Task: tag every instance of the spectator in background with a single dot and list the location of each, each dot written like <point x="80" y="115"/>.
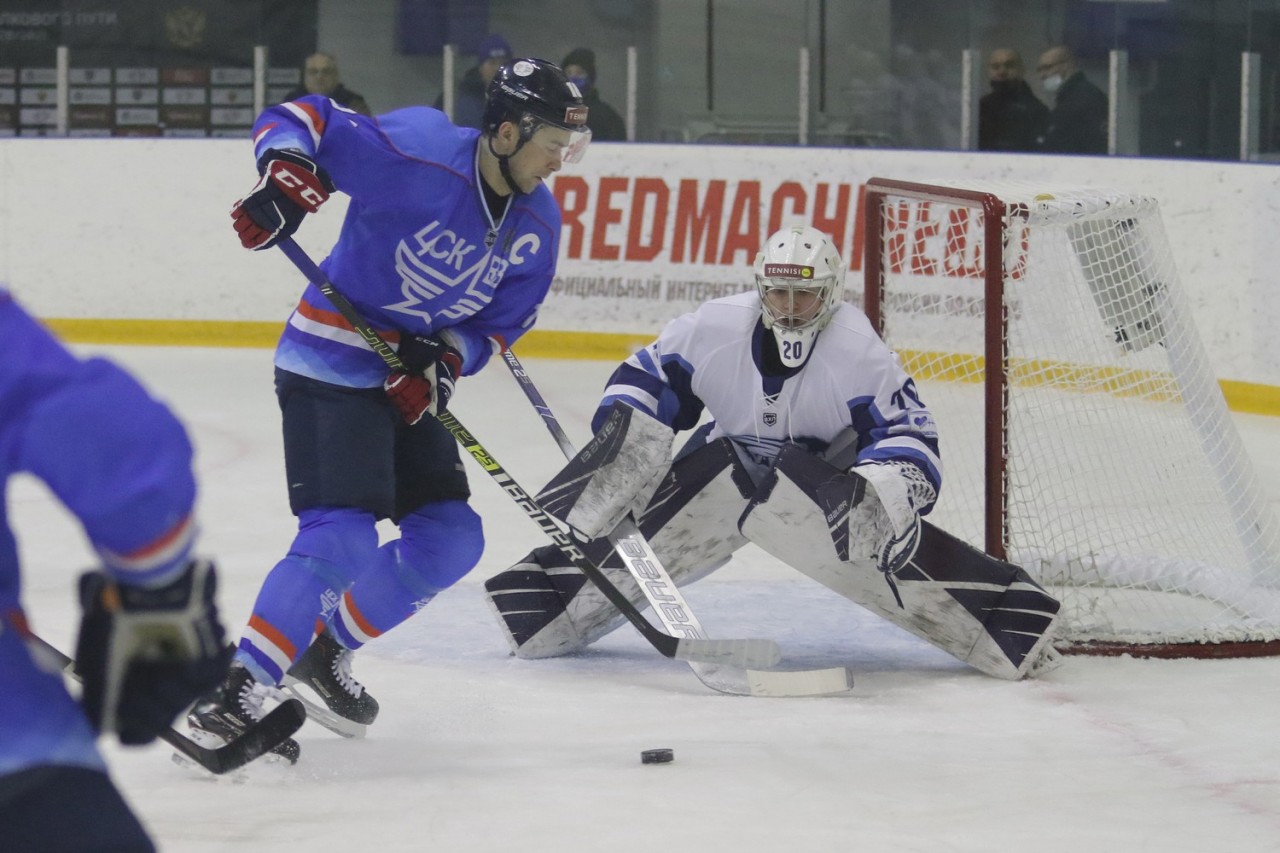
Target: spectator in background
<point x="606" y="125"/>
<point x="1078" y="120"/>
<point x="1010" y="116"/>
<point x="468" y="105"/>
<point x="320" y="77"/>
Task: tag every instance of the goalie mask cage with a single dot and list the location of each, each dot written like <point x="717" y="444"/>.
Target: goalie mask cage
<point x="1083" y="433"/>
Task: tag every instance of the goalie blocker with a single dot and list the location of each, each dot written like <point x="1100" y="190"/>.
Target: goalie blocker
<point x="812" y="516"/>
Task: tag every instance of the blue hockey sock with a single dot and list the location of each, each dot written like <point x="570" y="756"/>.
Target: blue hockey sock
<point x="303" y="590"/>
<point x="438" y="544"/>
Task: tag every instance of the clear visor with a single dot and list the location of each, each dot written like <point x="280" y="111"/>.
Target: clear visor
<point x="569" y="145"/>
<point x="792" y="304"/>
<point x="577" y="147"/>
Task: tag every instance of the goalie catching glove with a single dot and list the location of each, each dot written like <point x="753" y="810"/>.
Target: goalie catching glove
<point x="425" y="386"/>
<point x="145" y="654"/>
<point x="292" y="185"/>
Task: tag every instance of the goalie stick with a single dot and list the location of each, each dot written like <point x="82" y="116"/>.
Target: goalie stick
<point x="260" y="738"/>
<point x="736" y="652"/>
<point x="639" y="558"/>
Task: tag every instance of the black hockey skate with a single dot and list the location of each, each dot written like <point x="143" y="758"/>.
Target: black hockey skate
<point x="325" y="671"/>
<point x="232" y="707"/>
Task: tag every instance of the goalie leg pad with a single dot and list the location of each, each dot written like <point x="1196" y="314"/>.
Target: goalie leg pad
<point x="531" y="601"/>
<point x="988" y="613"/>
<point x="547" y="608"/>
<point x="616" y="471"/>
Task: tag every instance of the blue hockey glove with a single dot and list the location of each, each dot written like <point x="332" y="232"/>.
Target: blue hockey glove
<point x="292" y="185"/>
<point x="426" y="384"/>
<point x="144" y="655"/>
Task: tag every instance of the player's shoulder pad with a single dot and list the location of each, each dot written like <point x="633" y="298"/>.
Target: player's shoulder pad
<point x="427" y="134"/>
<point x="717" y="322"/>
<point x="852" y="318"/>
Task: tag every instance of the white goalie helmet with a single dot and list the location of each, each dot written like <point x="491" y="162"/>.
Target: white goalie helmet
<point x="800" y="278"/>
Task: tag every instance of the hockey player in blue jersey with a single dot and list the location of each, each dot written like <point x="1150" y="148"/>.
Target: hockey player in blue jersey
<point x="448" y="247"/>
<point x="149" y="642"/>
<point x="819" y="450"/>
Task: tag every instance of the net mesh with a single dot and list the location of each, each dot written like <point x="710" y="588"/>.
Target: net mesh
<point x="1128" y="491"/>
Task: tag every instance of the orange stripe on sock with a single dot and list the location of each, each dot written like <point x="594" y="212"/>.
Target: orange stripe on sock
<point x="266" y="629"/>
<point x="358" y="617"/>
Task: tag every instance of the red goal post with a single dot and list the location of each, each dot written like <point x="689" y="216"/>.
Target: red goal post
<point x="1083" y="433"/>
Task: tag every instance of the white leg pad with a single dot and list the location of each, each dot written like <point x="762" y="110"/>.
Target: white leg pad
<point x="987" y="613"/>
<point x="692" y="525"/>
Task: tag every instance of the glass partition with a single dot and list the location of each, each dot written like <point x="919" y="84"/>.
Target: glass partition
<point x="1188" y="78"/>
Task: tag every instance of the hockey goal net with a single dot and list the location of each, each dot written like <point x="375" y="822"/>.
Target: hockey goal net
<point x="1083" y="432"/>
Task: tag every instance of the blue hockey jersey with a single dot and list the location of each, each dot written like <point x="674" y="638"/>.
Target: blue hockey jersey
<point x="710" y="360"/>
<point x="121" y="463"/>
<point x="419" y="252"/>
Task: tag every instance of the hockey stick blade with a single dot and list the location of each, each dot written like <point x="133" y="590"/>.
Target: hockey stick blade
<point x="261" y="737"/>
<point x="740" y="677"/>
<point x="743" y="653"/>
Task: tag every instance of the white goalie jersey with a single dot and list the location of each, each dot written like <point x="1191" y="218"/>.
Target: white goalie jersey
<point x="711" y="359"/>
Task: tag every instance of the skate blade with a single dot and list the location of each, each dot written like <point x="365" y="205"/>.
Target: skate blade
<point x="320" y="713"/>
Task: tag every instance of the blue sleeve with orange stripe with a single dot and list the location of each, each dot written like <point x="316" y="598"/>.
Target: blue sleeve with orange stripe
<point x="116" y="458"/>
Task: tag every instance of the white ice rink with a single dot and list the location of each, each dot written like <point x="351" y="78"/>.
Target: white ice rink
<point x="478" y="751"/>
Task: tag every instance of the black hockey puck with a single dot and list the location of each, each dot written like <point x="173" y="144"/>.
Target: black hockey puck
<point x="657" y="756"/>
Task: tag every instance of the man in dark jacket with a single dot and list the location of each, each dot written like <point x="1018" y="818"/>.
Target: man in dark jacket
<point x="606" y="125"/>
<point x="1010" y="117"/>
<point x="468" y="102"/>
<point x="1078" y="120"/>
<point x="320" y="77"/>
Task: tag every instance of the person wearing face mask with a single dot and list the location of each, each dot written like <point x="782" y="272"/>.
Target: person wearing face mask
<point x="1010" y="116"/>
<point x="469" y="101"/>
<point x="606" y="124"/>
<point x="1078" y="120"/>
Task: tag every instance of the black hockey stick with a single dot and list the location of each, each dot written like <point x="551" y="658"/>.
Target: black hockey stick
<point x="736" y="652"/>
<point x="261" y="737"/>
<point x="661" y="591"/>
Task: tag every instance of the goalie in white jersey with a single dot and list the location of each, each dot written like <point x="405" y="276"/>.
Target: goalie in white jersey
<point x="789" y="366"/>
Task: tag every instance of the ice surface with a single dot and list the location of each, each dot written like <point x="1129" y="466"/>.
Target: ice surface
<point x="478" y="751"/>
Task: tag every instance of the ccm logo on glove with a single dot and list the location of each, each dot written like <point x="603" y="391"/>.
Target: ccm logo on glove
<point x="292" y="185"/>
<point x="426" y="384"/>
